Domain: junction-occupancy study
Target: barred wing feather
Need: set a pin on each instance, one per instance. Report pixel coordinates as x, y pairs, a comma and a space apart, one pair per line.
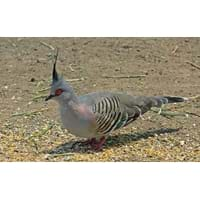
111, 115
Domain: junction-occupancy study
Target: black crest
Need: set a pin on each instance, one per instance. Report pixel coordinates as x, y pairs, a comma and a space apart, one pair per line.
55, 74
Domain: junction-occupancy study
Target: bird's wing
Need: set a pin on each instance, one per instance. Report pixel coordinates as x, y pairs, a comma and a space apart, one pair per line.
116, 110
111, 114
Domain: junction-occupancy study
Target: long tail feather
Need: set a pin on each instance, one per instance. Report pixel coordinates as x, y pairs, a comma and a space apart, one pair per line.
174, 99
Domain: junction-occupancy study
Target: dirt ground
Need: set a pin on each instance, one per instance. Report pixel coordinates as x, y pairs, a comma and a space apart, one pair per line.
30, 127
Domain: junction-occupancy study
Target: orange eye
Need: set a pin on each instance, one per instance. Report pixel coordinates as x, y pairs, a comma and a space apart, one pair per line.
58, 92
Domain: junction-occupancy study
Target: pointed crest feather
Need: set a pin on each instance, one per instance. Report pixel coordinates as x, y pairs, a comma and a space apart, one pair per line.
55, 74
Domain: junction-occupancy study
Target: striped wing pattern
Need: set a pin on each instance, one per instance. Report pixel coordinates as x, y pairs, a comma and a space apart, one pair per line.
111, 115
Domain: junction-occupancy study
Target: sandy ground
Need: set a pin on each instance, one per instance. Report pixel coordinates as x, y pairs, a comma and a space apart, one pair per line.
30, 128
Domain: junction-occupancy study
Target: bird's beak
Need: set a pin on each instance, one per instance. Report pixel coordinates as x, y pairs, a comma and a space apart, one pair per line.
49, 97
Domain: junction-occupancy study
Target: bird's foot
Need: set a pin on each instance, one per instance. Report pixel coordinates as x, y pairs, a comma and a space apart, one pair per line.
97, 145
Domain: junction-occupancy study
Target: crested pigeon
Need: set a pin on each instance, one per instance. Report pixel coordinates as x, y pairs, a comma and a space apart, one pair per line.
95, 115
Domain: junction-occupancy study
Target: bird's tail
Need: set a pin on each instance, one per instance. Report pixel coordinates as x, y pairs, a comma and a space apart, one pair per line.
160, 100
174, 99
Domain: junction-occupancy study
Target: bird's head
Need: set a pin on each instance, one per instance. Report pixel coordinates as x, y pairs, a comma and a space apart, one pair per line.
60, 89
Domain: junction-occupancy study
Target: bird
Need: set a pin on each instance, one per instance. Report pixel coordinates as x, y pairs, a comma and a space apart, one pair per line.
94, 116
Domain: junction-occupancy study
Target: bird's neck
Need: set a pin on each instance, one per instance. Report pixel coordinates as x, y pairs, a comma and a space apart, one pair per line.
74, 99
69, 100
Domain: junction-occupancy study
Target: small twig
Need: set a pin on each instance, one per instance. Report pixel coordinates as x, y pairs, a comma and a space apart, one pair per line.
129, 76
29, 113
32, 140
70, 67
194, 114
39, 83
160, 112
169, 113
47, 45
87, 42
12, 43
175, 49
193, 65
39, 97
39, 134
75, 79
194, 97
44, 90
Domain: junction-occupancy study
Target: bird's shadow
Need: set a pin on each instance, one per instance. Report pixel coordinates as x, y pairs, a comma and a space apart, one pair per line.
112, 141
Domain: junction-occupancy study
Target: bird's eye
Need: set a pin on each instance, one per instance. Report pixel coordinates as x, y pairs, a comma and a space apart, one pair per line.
58, 92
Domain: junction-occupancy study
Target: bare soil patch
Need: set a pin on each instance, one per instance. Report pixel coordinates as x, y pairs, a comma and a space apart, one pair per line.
30, 129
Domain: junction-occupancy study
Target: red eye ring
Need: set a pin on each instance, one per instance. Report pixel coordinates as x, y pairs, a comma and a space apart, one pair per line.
58, 92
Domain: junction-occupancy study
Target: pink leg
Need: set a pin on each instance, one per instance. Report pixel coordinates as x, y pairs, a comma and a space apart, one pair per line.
97, 145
